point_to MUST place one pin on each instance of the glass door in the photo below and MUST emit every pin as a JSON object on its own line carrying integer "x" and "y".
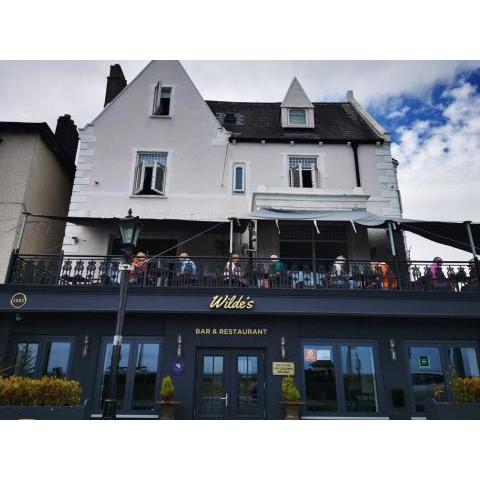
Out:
{"x": 230, "y": 384}
{"x": 137, "y": 382}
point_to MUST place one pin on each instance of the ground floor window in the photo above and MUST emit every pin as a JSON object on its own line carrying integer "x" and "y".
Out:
{"x": 431, "y": 365}
{"x": 37, "y": 356}
{"x": 340, "y": 377}
{"x": 137, "y": 382}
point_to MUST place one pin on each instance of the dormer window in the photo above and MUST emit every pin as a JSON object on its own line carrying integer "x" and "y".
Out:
{"x": 297, "y": 117}
{"x": 162, "y": 101}
{"x": 230, "y": 118}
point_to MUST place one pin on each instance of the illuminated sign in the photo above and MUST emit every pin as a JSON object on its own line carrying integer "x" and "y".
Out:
{"x": 230, "y": 331}
{"x": 232, "y": 302}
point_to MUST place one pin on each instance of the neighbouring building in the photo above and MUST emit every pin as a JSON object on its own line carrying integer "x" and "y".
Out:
{"x": 37, "y": 168}
{"x": 306, "y": 195}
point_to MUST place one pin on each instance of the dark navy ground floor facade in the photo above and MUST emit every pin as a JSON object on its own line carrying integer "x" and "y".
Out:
{"x": 228, "y": 364}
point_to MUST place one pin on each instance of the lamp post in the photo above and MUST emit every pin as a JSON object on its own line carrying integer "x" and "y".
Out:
{"x": 129, "y": 227}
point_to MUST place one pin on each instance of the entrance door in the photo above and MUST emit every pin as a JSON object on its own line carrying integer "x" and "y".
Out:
{"x": 230, "y": 384}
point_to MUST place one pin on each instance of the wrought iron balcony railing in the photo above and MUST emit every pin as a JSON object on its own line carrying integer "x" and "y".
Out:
{"x": 291, "y": 273}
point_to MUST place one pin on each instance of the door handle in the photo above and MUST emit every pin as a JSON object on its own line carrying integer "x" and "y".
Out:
{"x": 225, "y": 398}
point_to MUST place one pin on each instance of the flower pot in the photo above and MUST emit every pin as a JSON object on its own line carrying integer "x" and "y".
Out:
{"x": 451, "y": 410}
{"x": 292, "y": 410}
{"x": 167, "y": 409}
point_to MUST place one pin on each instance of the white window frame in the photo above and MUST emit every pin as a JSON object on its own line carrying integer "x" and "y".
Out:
{"x": 297, "y": 124}
{"x": 314, "y": 170}
{"x": 139, "y": 174}
{"x": 157, "y": 91}
{"x": 235, "y": 166}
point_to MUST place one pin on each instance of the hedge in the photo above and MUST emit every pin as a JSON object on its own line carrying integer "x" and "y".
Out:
{"x": 466, "y": 390}
{"x": 46, "y": 391}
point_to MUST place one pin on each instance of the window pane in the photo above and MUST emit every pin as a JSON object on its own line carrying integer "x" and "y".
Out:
{"x": 58, "y": 356}
{"x": 212, "y": 386}
{"x": 159, "y": 178}
{"x": 26, "y": 359}
{"x": 307, "y": 178}
{"x": 122, "y": 374}
{"x": 145, "y": 376}
{"x": 320, "y": 383}
{"x": 239, "y": 178}
{"x": 359, "y": 381}
{"x": 165, "y": 101}
{"x": 295, "y": 178}
{"x": 247, "y": 378}
{"x": 464, "y": 361}
{"x": 297, "y": 117}
{"x": 426, "y": 370}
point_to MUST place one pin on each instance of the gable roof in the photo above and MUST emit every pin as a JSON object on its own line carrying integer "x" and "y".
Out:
{"x": 335, "y": 122}
{"x": 296, "y": 96}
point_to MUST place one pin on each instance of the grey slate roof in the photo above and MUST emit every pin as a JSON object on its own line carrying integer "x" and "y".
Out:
{"x": 334, "y": 122}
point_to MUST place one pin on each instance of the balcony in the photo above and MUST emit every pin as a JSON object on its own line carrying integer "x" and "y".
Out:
{"x": 293, "y": 274}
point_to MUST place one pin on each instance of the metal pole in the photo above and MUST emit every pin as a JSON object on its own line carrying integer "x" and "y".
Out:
{"x": 22, "y": 231}
{"x": 231, "y": 236}
{"x": 394, "y": 254}
{"x": 110, "y": 405}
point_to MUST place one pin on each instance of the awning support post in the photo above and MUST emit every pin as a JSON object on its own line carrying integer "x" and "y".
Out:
{"x": 474, "y": 251}
{"x": 394, "y": 255}
{"x": 231, "y": 237}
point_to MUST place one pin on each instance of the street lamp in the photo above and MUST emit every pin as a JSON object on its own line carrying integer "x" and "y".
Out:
{"x": 129, "y": 227}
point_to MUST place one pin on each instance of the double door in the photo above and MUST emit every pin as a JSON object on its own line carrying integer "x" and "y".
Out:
{"x": 230, "y": 384}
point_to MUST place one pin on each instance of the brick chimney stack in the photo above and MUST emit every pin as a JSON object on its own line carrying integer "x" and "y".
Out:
{"x": 66, "y": 134}
{"x": 116, "y": 82}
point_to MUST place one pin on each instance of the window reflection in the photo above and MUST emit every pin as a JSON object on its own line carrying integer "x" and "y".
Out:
{"x": 26, "y": 359}
{"x": 464, "y": 361}
{"x": 247, "y": 378}
{"x": 145, "y": 376}
{"x": 58, "y": 356}
{"x": 122, "y": 374}
{"x": 320, "y": 380}
{"x": 359, "y": 379}
{"x": 212, "y": 385}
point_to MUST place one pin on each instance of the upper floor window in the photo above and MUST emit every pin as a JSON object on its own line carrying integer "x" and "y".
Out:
{"x": 303, "y": 172}
{"x": 297, "y": 116}
{"x": 162, "y": 100}
{"x": 150, "y": 173}
{"x": 238, "y": 178}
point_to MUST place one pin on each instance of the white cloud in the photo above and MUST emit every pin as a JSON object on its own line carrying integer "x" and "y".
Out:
{"x": 439, "y": 170}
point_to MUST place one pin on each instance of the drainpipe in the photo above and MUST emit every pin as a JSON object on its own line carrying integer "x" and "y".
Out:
{"x": 357, "y": 167}
{"x": 394, "y": 254}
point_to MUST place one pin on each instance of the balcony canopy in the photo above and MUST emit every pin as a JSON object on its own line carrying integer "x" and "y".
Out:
{"x": 453, "y": 234}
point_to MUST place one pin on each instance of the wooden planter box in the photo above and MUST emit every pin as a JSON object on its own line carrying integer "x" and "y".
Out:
{"x": 451, "y": 411}
{"x": 42, "y": 413}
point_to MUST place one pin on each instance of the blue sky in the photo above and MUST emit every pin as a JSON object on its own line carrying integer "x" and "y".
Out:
{"x": 431, "y": 108}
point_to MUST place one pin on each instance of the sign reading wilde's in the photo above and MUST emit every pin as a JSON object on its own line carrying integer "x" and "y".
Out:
{"x": 232, "y": 302}
{"x": 230, "y": 331}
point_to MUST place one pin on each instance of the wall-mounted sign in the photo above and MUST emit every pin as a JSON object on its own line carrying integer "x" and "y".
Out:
{"x": 178, "y": 368}
{"x": 230, "y": 331}
{"x": 309, "y": 354}
{"x": 324, "y": 354}
{"x": 18, "y": 300}
{"x": 232, "y": 302}
{"x": 423, "y": 361}
{"x": 283, "y": 368}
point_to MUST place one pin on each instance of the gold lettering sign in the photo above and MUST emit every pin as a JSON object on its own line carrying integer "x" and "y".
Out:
{"x": 283, "y": 368}
{"x": 230, "y": 331}
{"x": 232, "y": 302}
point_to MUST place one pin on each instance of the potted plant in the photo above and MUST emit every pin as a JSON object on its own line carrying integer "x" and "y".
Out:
{"x": 466, "y": 400}
{"x": 47, "y": 398}
{"x": 168, "y": 404}
{"x": 291, "y": 399}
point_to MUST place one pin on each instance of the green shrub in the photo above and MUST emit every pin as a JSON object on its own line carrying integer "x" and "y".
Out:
{"x": 167, "y": 392}
{"x": 46, "y": 391}
{"x": 465, "y": 390}
{"x": 290, "y": 392}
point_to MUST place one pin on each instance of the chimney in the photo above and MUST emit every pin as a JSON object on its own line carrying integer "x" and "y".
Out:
{"x": 67, "y": 136}
{"x": 116, "y": 82}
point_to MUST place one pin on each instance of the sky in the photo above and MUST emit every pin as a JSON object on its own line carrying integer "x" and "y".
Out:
{"x": 431, "y": 108}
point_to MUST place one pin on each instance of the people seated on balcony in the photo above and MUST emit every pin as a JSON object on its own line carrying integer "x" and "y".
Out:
{"x": 277, "y": 272}
{"x": 339, "y": 274}
{"x": 435, "y": 276}
{"x": 233, "y": 273}
{"x": 388, "y": 278}
{"x": 471, "y": 281}
{"x": 186, "y": 270}
{"x": 137, "y": 276}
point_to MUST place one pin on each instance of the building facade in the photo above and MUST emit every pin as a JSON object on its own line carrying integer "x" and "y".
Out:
{"x": 271, "y": 245}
